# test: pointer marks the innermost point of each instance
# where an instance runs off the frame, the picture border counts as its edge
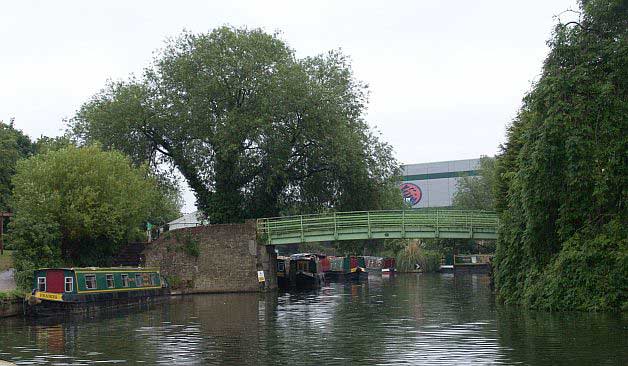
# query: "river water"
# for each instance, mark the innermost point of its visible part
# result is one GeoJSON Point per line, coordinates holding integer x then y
{"type": "Point", "coordinates": [408, 319]}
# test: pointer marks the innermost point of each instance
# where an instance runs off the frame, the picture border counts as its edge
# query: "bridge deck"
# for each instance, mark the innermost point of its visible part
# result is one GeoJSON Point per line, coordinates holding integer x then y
{"type": "Point", "coordinates": [411, 224]}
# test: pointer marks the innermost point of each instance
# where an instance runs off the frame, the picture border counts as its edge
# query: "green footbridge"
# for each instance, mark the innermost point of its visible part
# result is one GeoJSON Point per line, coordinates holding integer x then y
{"type": "Point", "coordinates": [407, 224]}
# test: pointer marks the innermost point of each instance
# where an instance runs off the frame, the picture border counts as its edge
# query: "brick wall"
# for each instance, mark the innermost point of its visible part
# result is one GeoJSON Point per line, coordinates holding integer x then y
{"type": "Point", "coordinates": [213, 258]}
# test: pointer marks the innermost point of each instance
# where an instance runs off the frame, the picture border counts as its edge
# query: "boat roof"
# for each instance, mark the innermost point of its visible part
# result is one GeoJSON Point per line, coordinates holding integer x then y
{"type": "Point", "coordinates": [87, 269]}
{"type": "Point", "coordinates": [303, 256]}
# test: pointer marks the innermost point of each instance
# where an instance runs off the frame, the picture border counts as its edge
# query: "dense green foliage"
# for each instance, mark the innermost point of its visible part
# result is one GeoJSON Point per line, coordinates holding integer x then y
{"type": "Point", "coordinates": [255, 131]}
{"type": "Point", "coordinates": [473, 193]}
{"type": "Point", "coordinates": [76, 206]}
{"type": "Point", "coordinates": [14, 145]}
{"type": "Point", "coordinates": [477, 193]}
{"type": "Point", "coordinates": [562, 188]}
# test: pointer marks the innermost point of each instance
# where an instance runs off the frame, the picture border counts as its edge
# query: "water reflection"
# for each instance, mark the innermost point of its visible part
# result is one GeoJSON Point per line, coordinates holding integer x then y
{"type": "Point", "coordinates": [408, 319]}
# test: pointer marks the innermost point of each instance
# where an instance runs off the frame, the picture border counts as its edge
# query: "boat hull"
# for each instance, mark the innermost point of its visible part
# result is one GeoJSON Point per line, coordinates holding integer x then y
{"type": "Point", "coordinates": [334, 276]}
{"type": "Point", "coordinates": [89, 303]}
{"type": "Point", "coordinates": [283, 281]}
{"type": "Point", "coordinates": [307, 280]}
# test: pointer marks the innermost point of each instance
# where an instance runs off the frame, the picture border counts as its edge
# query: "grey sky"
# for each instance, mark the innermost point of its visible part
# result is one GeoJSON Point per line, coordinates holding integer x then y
{"type": "Point", "coordinates": [445, 76]}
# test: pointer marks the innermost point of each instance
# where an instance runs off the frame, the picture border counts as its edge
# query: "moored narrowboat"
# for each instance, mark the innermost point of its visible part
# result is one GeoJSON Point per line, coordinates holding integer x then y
{"type": "Point", "coordinates": [78, 290]}
{"type": "Point", "coordinates": [345, 268]}
{"type": "Point", "coordinates": [389, 266]}
{"type": "Point", "coordinates": [305, 271]}
{"type": "Point", "coordinates": [283, 266]}
{"type": "Point", "coordinates": [373, 264]}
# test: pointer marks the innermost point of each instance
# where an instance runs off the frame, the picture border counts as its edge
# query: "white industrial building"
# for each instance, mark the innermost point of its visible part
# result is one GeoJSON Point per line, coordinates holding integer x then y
{"type": "Point", "coordinates": [192, 219]}
{"type": "Point", "coordinates": [434, 184]}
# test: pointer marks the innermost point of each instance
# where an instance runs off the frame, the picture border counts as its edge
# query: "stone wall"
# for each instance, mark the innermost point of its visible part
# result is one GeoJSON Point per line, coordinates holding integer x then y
{"type": "Point", "coordinates": [213, 258]}
{"type": "Point", "coordinates": [11, 307]}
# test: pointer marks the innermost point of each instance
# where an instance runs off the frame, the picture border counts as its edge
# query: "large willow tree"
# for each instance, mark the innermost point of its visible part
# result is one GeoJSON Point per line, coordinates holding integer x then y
{"type": "Point", "coordinates": [562, 175]}
{"type": "Point", "coordinates": [254, 130]}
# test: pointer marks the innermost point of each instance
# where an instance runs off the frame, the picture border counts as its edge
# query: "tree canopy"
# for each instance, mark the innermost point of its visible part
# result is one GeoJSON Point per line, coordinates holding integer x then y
{"type": "Point", "coordinates": [14, 145]}
{"type": "Point", "coordinates": [76, 206]}
{"type": "Point", "coordinates": [477, 193]}
{"type": "Point", "coordinates": [254, 130]}
{"type": "Point", "coordinates": [562, 188]}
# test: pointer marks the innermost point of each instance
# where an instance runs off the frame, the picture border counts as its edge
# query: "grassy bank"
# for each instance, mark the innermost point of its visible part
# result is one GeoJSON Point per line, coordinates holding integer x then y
{"type": "Point", "coordinates": [6, 260]}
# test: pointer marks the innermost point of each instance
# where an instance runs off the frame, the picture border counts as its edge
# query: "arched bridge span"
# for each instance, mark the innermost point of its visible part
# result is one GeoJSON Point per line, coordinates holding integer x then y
{"type": "Point", "coordinates": [409, 224]}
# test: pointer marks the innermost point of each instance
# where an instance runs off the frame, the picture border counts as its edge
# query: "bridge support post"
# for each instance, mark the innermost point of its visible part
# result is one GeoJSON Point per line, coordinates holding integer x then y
{"type": "Point", "coordinates": [403, 224]}
{"type": "Point", "coordinates": [436, 234]}
{"type": "Point", "coordinates": [335, 227]}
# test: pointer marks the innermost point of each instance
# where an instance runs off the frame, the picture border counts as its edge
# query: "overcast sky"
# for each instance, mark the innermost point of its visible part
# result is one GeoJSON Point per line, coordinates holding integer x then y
{"type": "Point", "coordinates": [445, 77]}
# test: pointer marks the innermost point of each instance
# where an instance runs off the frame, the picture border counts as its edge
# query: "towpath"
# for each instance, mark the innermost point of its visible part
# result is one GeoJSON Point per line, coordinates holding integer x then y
{"type": "Point", "coordinates": [7, 282]}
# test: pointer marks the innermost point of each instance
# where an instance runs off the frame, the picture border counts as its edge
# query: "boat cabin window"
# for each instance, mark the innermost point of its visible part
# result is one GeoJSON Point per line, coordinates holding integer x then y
{"type": "Point", "coordinates": [125, 280]}
{"type": "Point", "coordinates": [153, 279]}
{"type": "Point", "coordinates": [110, 283]}
{"type": "Point", "coordinates": [281, 266]}
{"type": "Point", "coordinates": [41, 283]}
{"type": "Point", "coordinates": [90, 282]}
{"type": "Point", "coordinates": [69, 284]}
{"type": "Point", "coordinates": [138, 280]}
{"type": "Point", "coordinates": [303, 266]}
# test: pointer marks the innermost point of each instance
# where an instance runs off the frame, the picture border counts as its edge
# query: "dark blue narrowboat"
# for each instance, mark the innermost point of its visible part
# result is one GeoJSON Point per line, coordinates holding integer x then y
{"type": "Point", "coordinates": [305, 271]}
{"type": "Point", "coordinates": [283, 267]}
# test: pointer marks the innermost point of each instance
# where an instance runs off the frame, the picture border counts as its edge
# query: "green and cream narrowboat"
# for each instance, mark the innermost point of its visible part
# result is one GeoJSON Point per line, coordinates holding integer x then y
{"type": "Point", "coordinates": [76, 290]}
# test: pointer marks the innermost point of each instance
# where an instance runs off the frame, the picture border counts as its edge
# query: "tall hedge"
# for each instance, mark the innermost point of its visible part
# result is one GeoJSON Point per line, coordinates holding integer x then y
{"type": "Point", "coordinates": [561, 175]}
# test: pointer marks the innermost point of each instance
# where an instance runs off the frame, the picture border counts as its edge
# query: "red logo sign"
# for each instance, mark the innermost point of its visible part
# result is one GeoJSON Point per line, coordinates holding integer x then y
{"type": "Point", "coordinates": [411, 193]}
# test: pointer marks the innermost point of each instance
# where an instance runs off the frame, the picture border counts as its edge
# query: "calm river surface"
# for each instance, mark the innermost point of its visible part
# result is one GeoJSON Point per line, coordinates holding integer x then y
{"type": "Point", "coordinates": [408, 319]}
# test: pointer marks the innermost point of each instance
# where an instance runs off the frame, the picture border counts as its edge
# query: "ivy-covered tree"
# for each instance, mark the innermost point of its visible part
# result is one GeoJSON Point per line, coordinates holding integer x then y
{"type": "Point", "coordinates": [76, 206]}
{"type": "Point", "coordinates": [562, 174]}
{"type": "Point", "coordinates": [254, 130]}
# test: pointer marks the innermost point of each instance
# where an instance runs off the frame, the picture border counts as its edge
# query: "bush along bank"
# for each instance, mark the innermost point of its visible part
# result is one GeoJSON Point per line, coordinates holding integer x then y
{"type": "Point", "coordinates": [561, 177]}
{"type": "Point", "coordinates": [413, 254]}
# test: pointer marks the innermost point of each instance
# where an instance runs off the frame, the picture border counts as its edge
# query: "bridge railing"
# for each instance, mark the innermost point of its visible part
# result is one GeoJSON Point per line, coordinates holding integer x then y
{"type": "Point", "coordinates": [374, 224]}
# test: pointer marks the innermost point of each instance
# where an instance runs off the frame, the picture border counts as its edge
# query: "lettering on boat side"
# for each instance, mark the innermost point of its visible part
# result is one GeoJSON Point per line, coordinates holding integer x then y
{"type": "Point", "coordinates": [48, 296]}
